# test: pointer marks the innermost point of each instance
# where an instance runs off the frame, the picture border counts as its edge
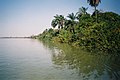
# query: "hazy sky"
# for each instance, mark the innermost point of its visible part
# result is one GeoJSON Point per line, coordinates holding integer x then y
{"type": "Point", "coordinates": [28, 17]}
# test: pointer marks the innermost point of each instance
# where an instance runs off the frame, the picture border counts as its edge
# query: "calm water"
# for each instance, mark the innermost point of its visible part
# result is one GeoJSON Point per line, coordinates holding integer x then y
{"type": "Point", "coordinates": [27, 59]}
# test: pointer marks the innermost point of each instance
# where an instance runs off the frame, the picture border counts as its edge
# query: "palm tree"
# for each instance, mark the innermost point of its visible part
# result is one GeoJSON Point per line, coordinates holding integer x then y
{"type": "Point", "coordinates": [54, 23]}
{"type": "Point", "coordinates": [71, 16]}
{"type": "Point", "coordinates": [94, 3]}
{"type": "Point", "coordinates": [82, 11]}
{"type": "Point", "coordinates": [58, 21]}
{"type": "Point", "coordinates": [71, 21]}
{"type": "Point", "coordinates": [62, 21]}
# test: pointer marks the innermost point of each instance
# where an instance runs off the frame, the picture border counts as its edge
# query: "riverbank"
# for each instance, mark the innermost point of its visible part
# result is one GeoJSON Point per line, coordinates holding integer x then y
{"type": "Point", "coordinates": [103, 35]}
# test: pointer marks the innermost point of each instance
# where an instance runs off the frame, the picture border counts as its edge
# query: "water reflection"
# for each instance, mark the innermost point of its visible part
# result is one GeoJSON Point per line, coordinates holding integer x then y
{"type": "Point", "coordinates": [86, 65]}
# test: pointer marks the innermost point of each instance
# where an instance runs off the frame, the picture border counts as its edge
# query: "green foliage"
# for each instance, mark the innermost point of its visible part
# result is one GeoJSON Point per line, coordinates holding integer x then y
{"type": "Point", "coordinates": [82, 30]}
{"type": "Point", "coordinates": [104, 36]}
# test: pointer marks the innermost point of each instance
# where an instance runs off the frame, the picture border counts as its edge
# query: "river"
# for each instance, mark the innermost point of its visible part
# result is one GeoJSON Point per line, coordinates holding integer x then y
{"type": "Point", "coordinates": [29, 59]}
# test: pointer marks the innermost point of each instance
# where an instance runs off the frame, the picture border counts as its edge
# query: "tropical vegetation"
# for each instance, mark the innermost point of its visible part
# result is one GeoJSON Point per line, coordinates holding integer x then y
{"type": "Point", "coordinates": [99, 31]}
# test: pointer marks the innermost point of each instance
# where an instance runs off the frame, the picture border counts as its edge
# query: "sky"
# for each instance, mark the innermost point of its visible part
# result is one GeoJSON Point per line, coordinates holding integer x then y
{"type": "Point", "coordinates": [31, 17]}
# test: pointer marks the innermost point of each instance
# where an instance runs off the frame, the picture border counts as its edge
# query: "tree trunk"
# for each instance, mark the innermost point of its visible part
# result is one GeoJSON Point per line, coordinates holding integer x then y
{"type": "Point", "coordinates": [96, 14]}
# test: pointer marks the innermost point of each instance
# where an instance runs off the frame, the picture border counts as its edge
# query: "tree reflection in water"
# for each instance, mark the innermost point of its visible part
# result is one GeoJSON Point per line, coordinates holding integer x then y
{"type": "Point", "coordinates": [87, 65]}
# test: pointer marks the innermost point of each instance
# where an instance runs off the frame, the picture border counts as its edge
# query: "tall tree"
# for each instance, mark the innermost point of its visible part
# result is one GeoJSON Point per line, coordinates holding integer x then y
{"type": "Point", "coordinates": [54, 23]}
{"type": "Point", "coordinates": [81, 11]}
{"type": "Point", "coordinates": [71, 21]}
{"type": "Point", "coordinates": [72, 16]}
{"type": "Point", "coordinates": [58, 21]}
{"type": "Point", "coordinates": [94, 3]}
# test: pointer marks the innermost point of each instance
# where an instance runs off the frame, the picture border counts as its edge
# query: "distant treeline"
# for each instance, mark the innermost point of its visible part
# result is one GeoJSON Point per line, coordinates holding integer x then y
{"type": "Point", "coordinates": [13, 37]}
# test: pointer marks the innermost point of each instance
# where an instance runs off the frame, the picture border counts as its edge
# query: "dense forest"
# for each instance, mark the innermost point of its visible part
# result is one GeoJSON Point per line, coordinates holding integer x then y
{"type": "Point", "coordinates": [99, 31]}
